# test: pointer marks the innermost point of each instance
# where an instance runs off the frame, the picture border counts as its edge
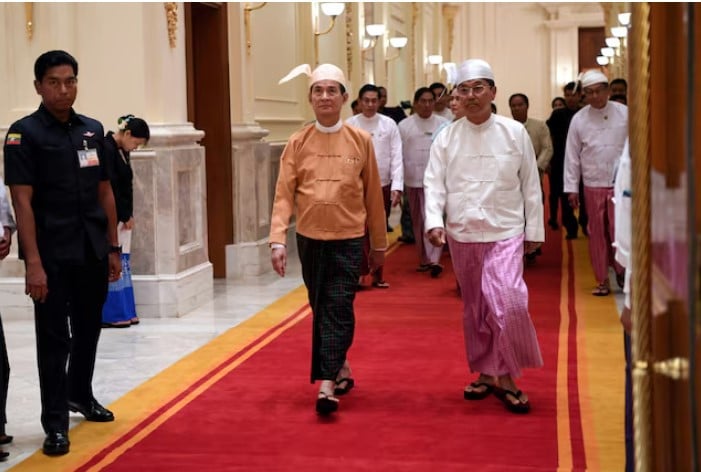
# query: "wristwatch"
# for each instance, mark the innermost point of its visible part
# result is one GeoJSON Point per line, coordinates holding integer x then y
{"type": "Point", "coordinates": [116, 249]}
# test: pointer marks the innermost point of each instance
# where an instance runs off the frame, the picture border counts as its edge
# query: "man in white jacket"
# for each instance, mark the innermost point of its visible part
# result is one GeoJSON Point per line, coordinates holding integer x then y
{"type": "Point", "coordinates": [417, 133]}
{"type": "Point", "coordinates": [482, 174]}
{"type": "Point", "coordinates": [595, 141]}
{"type": "Point", "coordinates": [388, 152]}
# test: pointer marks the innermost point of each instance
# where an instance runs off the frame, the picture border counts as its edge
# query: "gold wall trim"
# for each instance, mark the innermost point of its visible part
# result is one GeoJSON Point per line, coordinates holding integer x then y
{"type": "Point", "coordinates": [29, 18]}
{"type": "Point", "coordinates": [639, 44]}
{"type": "Point", "coordinates": [171, 9]}
{"type": "Point", "coordinates": [349, 40]}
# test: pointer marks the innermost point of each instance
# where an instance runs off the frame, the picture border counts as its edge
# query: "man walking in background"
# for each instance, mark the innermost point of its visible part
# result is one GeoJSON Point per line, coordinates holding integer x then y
{"type": "Point", "coordinates": [417, 134]}
{"type": "Point", "coordinates": [595, 141]}
{"type": "Point", "coordinates": [388, 153]}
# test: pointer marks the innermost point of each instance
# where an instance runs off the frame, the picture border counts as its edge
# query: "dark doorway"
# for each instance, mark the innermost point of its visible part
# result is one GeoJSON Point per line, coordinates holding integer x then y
{"type": "Point", "coordinates": [207, 61]}
{"type": "Point", "coordinates": [591, 40]}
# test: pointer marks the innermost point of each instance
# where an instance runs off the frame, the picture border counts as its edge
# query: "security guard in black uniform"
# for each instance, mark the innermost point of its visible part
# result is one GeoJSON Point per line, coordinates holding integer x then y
{"type": "Point", "coordinates": [67, 231]}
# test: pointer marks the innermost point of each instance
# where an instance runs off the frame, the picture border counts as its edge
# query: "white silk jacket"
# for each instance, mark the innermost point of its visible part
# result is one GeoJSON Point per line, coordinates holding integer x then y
{"type": "Point", "coordinates": [485, 178]}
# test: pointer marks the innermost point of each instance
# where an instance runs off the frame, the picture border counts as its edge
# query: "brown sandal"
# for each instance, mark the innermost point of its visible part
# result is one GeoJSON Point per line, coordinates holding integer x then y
{"type": "Point", "coordinates": [601, 290]}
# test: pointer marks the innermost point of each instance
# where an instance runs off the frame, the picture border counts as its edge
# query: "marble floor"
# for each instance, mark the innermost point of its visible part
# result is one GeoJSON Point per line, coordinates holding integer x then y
{"type": "Point", "coordinates": [128, 357]}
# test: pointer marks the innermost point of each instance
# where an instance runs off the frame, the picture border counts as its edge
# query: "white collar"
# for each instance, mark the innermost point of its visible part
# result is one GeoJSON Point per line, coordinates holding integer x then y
{"type": "Point", "coordinates": [330, 129]}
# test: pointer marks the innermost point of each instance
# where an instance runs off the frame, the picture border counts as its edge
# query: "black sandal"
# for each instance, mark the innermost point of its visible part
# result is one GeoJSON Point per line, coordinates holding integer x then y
{"type": "Point", "coordinates": [521, 407]}
{"type": "Point", "coordinates": [326, 404]}
{"type": "Point", "coordinates": [478, 395]}
{"type": "Point", "coordinates": [343, 389]}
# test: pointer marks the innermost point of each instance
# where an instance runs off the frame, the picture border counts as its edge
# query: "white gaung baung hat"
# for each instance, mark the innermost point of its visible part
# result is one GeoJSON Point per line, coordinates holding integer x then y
{"type": "Point", "coordinates": [451, 73]}
{"type": "Point", "coordinates": [322, 72]}
{"type": "Point", "coordinates": [592, 77]}
{"type": "Point", "coordinates": [473, 69]}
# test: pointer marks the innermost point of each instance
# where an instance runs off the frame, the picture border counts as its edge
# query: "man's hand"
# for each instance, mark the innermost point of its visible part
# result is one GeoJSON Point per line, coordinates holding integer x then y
{"type": "Point", "coordinates": [35, 282]}
{"type": "Point", "coordinates": [278, 257]}
{"type": "Point", "coordinates": [5, 243]}
{"type": "Point", "coordinates": [627, 319]}
{"type": "Point", "coordinates": [115, 265]}
{"type": "Point", "coordinates": [396, 197]}
{"type": "Point", "coordinates": [437, 236]}
{"type": "Point", "coordinates": [573, 198]}
{"type": "Point", "coordinates": [129, 224]}
{"type": "Point", "coordinates": [529, 247]}
{"type": "Point", "coordinates": [377, 259]}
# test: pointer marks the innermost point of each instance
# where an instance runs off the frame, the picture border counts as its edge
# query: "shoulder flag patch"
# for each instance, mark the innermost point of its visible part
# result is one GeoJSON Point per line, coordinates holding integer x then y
{"type": "Point", "coordinates": [13, 139]}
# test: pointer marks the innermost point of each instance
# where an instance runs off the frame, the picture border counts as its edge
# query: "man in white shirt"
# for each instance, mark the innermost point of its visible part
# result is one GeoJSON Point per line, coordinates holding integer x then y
{"type": "Point", "coordinates": [388, 153]}
{"type": "Point", "coordinates": [482, 175]}
{"type": "Point", "coordinates": [442, 105]}
{"type": "Point", "coordinates": [595, 141]}
{"type": "Point", "coordinates": [417, 134]}
{"type": "Point", "coordinates": [7, 227]}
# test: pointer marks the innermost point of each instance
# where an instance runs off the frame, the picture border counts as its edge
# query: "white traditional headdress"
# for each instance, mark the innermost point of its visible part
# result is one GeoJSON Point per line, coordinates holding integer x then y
{"type": "Point", "coordinates": [451, 73]}
{"type": "Point", "coordinates": [473, 69]}
{"type": "Point", "coordinates": [322, 72]}
{"type": "Point", "coordinates": [592, 77]}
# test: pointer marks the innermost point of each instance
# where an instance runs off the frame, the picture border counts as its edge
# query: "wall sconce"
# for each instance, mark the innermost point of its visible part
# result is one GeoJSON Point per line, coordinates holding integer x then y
{"type": "Point", "coordinates": [602, 60]}
{"type": "Point", "coordinates": [247, 22]}
{"type": "Point", "coordinates": [374, 31]}
{"type": "Point", "coordinates": [434, 59]}
{"type": "Point", "coordinates": [332, 10]}
{"type": "Point", "coordinates": [619, 31]}
{"type": "Point", "coordinates": [624, 18]}
{"type": "Point", "coordinates": [613, 42]}
{"type": "Point", "coordinates": [396, 42]}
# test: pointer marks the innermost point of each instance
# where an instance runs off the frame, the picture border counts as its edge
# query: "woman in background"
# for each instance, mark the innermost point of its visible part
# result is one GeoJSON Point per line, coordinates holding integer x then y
{"type": "Point", "coordinates": [119, 310]}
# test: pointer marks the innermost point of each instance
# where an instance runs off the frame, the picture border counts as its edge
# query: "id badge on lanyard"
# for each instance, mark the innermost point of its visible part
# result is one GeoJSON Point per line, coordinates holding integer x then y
{"type": "Point", "coordinates": [87, 157]}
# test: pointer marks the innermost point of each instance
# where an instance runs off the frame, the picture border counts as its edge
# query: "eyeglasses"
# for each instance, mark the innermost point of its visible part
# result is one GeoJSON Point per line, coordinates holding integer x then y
{"type": "Point", "coordinates": [597, 91]}
{"type": "Point", "coordinates": [477, 90]}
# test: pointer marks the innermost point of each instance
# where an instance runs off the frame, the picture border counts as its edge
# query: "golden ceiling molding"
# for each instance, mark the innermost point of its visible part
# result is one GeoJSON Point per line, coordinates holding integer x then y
{"type": "Point", "coordinates": [349, 40]}
{"type": "Point", "coordinates": [29, 18]}
{"type": "Point", "coordinates": [171, 9]}
{"type": "Point", "coordinates": [414, 20]}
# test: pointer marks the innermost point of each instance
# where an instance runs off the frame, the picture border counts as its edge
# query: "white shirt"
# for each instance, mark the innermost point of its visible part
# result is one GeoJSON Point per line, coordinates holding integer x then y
{"type": "Point", "coordinates": [594, 143]}
{"type": "Point", "coordinates": [6, 219]}
{"type": "Point", "coordinates": [387, 144]}
{"type": "Point", "coordinates": [417, 135]}
{"type": "Point", "coordinates": [622, 216]}
{"type": "Point", "coordinates": [447, 113]}
{"type": "Point", "coordinates": [486, 180]}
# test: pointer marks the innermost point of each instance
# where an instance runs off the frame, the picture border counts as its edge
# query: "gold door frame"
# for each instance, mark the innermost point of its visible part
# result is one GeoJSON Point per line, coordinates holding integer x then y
{"type": "Point", "coordinates": [639, 55]}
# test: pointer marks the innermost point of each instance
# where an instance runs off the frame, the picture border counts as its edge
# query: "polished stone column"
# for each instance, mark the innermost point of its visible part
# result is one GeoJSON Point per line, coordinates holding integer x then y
{"type": "Point", "coordinates": [255, 167]}
{"type": "Point", "coordinates": [170, 266]}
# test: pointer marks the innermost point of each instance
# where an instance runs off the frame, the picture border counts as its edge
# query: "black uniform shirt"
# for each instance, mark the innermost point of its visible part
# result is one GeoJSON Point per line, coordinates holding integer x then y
{"type": "Point", "coordinates": [121, 177]}
{"type": "Point", "coordinates": [42, 152]}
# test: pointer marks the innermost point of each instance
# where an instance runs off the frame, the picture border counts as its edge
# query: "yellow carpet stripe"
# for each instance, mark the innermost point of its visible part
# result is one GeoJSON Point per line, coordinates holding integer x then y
{"type": "Point", "coordinates": [600, 368]}
{"type": "Point", "coordinates": [88, 439]}
{"type": "Point", "coordinates": [564, 439]}
{"type": "Point", "coordinates": [157, 422]}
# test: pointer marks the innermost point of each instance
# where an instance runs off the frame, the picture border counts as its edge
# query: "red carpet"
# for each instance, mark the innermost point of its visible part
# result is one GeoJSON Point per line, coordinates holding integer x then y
{"type": "Point", "coordinates": [406, 412]}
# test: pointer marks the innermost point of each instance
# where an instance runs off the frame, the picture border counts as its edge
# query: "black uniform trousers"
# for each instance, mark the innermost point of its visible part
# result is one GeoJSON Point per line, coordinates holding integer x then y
{"type": "Point", "coordinates": [4, 379]}
{"type": "Point", "coordinates": [68, 327]}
